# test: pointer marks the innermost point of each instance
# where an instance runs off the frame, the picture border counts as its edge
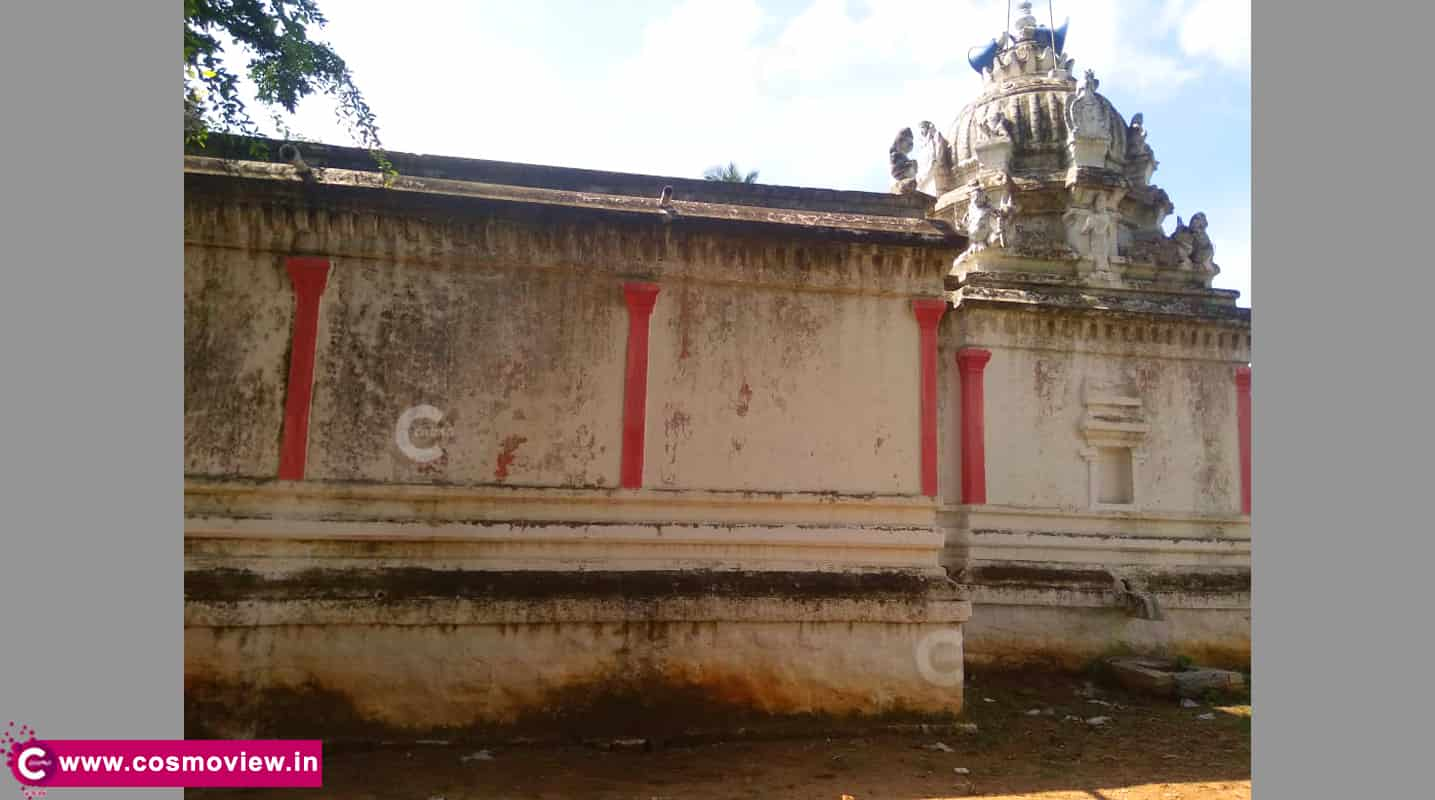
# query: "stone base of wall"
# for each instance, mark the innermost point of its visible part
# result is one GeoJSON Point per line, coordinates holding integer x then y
{"type": "Point", "coordinates": [1065, 617]}
{"type": "Point", "coordinates": [412, 653]}
{"type": "Point", "coordinates": [1057, 589]}
{"type": "Point", "coordinates": [1070, 639]}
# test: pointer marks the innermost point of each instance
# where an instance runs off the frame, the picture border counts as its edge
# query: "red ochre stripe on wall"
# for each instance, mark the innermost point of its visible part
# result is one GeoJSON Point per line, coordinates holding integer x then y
{"type": "Point", "coordinates": [970, 364]}
{"type": "Point", "coordinates": [308, 275]}
{"type": "Point", "coordinates": [929, 312]}
{"type": "Point", "coordinates": [1243, 424]}
{"type": "Point", "coordinates": [640, 297]}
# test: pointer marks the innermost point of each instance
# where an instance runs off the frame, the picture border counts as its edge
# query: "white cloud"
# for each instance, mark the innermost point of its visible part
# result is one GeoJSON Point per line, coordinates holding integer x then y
{"type": "Point", "coordinates": [813, 100]}
{"type": "Point", "coordinates": [1118, 40]}
{"type": "Point", "coordinates": [1233, 256]}
{"type": "Point", "coordinates": [818, 101]}
{"type": "Point", "coordinates": [1219, 30]}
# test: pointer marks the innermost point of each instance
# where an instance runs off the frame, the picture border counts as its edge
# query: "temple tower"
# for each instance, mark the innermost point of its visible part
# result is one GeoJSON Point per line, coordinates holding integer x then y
{"type": "Point", "coordinates": [1098, 386]}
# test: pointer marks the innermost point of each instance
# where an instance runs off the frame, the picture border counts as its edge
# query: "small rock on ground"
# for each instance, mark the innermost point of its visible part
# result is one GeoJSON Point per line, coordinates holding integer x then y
{"type": "Point", "coordinates": [1195, 682]}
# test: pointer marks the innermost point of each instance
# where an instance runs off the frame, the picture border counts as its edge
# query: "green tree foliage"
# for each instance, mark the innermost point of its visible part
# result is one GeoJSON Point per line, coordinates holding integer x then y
{"type": "Point", "coordinates": [730, 174]}
{"type": "Point", "coordinates": [286, 66]}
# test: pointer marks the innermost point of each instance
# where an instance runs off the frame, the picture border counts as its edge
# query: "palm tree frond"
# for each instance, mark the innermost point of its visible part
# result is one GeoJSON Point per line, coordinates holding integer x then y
{"type": "Point", "coordinates": [730, 173]}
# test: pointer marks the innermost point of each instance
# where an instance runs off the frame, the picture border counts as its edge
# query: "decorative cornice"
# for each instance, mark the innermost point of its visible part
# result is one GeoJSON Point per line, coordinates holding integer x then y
{"type": "Point", "coordinates": [918, 230]}
{"type": "Point", "coordinates": [275, 219]}
{"type": "Point", "coordinates": [1083, 331]}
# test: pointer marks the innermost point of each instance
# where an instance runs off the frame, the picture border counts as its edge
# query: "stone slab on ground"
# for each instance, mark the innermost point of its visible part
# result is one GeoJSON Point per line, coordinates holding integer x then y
{"type": "Point", "coordinates": [1154, 676]}
{"type": "Point", "coordinates": [1167, 678]}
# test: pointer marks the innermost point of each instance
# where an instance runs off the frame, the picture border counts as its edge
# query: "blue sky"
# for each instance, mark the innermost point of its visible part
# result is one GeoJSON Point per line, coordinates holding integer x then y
{"type": "Point", "coordinates": [809, 92]}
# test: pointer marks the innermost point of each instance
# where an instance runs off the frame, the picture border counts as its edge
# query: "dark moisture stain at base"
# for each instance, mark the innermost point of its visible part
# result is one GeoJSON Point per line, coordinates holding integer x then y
{"type": "Point", "coordinates": [399, 585]}
{"type": "Point", "coordinates": [229, 711]}
{"type": "Point", "coordinates": [1223, 581]}
{"type": "Point", "coordinates": [631, 705]}
{"type": "Point", "coordinates": [1014, 657]}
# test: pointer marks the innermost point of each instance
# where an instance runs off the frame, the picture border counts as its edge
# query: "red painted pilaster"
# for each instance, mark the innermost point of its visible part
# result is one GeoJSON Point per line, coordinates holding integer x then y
{"type": "Point", "coordinates": [1243, 423]}
{"type": "Point", "coordinates": [970, 363]}
{"type": "Point", "coordinates": [308, 276]}
{"type": "Point", "coordinates": [641, 297]}
{"type": "Point", "coordinates": [929, 313]}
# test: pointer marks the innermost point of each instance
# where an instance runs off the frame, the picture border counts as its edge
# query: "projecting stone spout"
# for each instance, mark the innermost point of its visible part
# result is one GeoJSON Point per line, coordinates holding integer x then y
{"type": "Point", "coordinates": [1142, 605]}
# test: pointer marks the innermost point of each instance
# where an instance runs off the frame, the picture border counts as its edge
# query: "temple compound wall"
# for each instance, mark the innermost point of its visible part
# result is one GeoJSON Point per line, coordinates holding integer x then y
{"type": "Point", "coordinates": [490, 446]}
{"type": "Point", "coordinates": [463, 452]}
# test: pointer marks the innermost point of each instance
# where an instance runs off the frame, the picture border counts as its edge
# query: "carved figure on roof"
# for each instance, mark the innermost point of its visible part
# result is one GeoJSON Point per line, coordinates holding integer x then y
{"type": "Point", "coordinates": [985, 224]}
{"type": "Point", "coordinates": [904, 167]}
{"type": "Point", "coordinates": [1136, 145]}
{"type": "Point", "coordinates": [1140, 160]}
{"type": "Point", "coordinates": [1089, 125]}
{"type": "Point", "coordinates": [938, 149]}
{"type": "Point", "coordinates": [1162, 204]}
{"type": "Point", "coordinates": [1200, 252]}
{"type": "Point", "coordinates": [1086, 115]}
{"type": "Point", "coordinates": [997, 127]}
{"type": "Point", "coordinates": [1184, 242]}
{"type": "Point", "coordinates": [1091, 232]}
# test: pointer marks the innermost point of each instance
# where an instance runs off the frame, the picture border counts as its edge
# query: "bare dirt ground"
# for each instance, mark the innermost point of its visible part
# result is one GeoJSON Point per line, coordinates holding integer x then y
{"type": "Point", "coordinates": [1148, 750]}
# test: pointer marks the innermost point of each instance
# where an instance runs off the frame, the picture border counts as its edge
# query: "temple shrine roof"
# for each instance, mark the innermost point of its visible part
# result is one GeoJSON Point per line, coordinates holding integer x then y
{"type": "Point", "coordinates": [869, 216]}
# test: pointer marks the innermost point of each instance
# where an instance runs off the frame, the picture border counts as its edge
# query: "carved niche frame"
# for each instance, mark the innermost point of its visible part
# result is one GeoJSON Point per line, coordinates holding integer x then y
{"type": "Point", "coordinates": [1113, 420]}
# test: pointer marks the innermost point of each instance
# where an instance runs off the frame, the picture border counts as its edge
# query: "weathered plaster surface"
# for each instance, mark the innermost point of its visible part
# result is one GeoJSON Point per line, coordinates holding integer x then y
{"type": "Point", "coordinates": [456, 591]}
{"type": "Point", "coordinates": [421, 679]}
{"type": "Point", "coordinates": [760, 390]}
{"type": "Point", "coordinates": [515, 331]}
{"type": "Point", "coordinates": [1185, 530]}
{"type": "Point", "coordinates": [1043, 364]}
{"type": "Point", "coordinates": [1053, 634]}
{"type": "Point", "coordinates": [238, 310]}
{"type": "Point", "coordinates": [417, 651]}
{"type": "Point", "coordinates": [525, 365]}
